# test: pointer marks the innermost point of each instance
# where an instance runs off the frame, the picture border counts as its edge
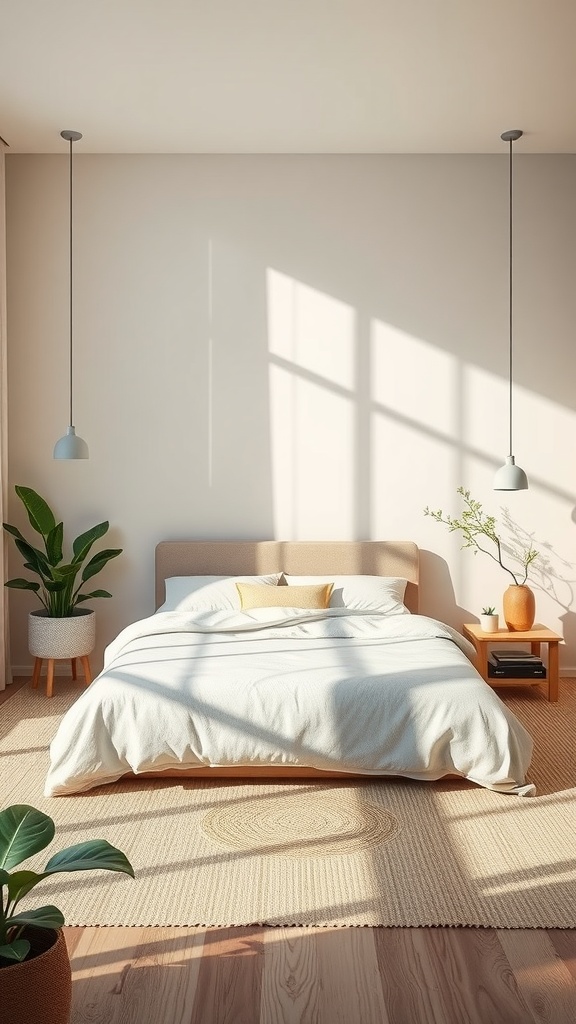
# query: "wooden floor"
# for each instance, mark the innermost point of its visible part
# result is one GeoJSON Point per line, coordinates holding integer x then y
{"type": "Point", "coordinates": [322, 976]}
{"type": "Point", "coordinates": [264, 975]}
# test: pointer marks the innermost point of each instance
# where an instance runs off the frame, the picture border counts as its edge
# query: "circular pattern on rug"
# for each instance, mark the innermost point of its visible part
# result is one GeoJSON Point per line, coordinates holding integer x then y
{"type": "Point", "coordinates": [306, 825]}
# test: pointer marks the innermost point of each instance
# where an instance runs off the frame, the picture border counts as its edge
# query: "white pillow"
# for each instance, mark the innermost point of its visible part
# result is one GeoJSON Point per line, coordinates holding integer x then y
{"type": "Point", "coordinates": [362, 593]}
{"type": "Point", "coordinates": [208, 593]}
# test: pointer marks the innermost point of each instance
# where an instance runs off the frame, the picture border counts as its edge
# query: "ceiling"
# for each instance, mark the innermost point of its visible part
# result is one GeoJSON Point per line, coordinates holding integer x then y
{"type": "Point", "coordinates": [288, 76]}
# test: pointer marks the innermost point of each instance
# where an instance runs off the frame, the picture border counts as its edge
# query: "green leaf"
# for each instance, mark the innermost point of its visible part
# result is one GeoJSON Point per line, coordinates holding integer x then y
{"type": "Point", "coordinates": [96, 853]}
{"type": "Point", "coordinates": [55, 586]}
{"type": "Point", "coordinates": [13, 531]}
{"type": "Point", "coordinates": [20, 584]}
{"type": "Point", "coordinates": [39, 512]}
{"type": "Point", "coordinates": [65, 572]}
{"type": "Point", "coordinates": [97, 563]}
{"type": "Point", "coordinates": [34, 557]}
{"type": "Point", "coordinates": [54, 543]}
{"type": "Point", "coordinates": [84, 542]}
{"type": "Point", "coordinates": [42, 917]}
{"type": "Point", "coordinates": [4, 877]}
{"type": "Point", "coordinates": [17, 950]}
{"type": "Point", "coordinates": [95, 593]}
{"type": "Point", "coordinates": [21, 882]}
{"type": "Point", "coordinates": [24, 831]}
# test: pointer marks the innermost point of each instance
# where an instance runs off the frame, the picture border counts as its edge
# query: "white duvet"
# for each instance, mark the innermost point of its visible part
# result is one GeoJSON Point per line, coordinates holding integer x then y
{"type": "Point", "coordinates": [334, 690]}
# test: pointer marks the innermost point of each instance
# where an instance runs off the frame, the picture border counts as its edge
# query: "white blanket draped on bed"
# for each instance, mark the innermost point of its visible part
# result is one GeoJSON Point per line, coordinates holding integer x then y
{"type": "Point", "coordinates": [334, 690]}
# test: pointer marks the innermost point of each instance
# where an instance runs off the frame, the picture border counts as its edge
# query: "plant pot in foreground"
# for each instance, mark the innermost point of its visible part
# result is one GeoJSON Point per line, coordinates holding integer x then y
{"type": "Point", "coordinates": [38, 990]}
{"type": "Point", "coordinates": [71, 637]}
{"type": "Point", "coordinates": [519, 607]}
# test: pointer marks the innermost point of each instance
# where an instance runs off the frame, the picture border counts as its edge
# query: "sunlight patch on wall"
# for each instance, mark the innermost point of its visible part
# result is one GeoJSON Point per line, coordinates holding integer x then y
{"type": "Point", "coordinates": [312, 410]}
{"type": "Point", "coordinates": [485, 426]}
{"type": "Point", "coordinates": [414, 379]}
{"type": "Point", "coordinates": [312, 330]}
{"type": "Point", "coordinates": [414, 388]}
{"type": "Point", "coordinates": [408, 470]}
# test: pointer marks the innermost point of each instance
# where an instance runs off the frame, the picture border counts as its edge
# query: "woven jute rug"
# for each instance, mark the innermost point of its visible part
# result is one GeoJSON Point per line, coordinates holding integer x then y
{"type": "Point", "coordinates": [390, 853]}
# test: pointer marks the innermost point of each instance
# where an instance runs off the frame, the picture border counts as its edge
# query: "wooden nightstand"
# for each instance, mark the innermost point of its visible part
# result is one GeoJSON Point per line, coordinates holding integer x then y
{"type": "Point", "coordinates": [536, 636]}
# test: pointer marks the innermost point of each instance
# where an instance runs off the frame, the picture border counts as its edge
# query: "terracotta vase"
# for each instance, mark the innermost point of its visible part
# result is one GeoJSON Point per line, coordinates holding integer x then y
{"type": "Point", "coordinates": [519, 607]}
{"type": "Point", "coordinates": [38, 989]}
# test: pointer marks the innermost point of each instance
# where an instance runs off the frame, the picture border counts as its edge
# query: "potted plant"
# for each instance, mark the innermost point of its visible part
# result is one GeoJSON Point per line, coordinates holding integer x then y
{"type": "Point", "coordinates": [35, 973]}
{"type": "Point", "coordinates": [476, 528]}
{"type": "Point", "coordinates": [489, 620]}
{"type": "Point", "coordinates": [60, 629]}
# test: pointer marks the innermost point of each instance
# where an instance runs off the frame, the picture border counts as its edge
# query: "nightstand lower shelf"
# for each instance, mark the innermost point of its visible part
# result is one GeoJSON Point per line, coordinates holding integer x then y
{"type": "Point", "coordinates": [535, 637]}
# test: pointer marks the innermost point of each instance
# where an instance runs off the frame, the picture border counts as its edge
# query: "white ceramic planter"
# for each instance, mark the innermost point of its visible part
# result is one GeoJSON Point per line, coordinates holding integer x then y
{"type": "Point", "coordinates": [489, 623]}
{"type": "Point", "coordinates": [71, 637]}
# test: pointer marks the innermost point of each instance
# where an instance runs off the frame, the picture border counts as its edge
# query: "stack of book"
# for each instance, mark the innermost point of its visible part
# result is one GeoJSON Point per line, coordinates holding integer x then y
{"type": "Point", "coordinates": [510, 664]}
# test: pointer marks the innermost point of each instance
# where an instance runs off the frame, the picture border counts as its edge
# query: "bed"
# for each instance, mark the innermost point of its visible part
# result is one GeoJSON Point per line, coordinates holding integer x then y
{"type": "Point", "coordinates": [288, 659]}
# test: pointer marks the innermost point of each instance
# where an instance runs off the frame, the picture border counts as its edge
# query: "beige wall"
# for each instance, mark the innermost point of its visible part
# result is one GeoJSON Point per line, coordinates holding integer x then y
{"type": "Point", "coordinates": [296, 347]}
{"type": "Point", "coordinates": [5, 659]}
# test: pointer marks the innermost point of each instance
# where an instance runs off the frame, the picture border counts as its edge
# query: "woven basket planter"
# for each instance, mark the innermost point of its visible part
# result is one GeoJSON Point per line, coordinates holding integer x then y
{"type": "Point", "coordinates": [38, 989]}
{"type": "Point", "coordinates": [71, 637]}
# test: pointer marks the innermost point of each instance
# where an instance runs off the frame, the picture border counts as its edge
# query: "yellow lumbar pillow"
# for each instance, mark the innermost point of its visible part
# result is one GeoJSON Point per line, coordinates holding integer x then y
{"type": "Point", "coordinates": [253, 595]}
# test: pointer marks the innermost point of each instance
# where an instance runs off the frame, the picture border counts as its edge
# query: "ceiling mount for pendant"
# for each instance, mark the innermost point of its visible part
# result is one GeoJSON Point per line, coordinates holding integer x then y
{"type": "Point", "coordinates": [512, 136]}
{"type": "Point", "coordinates": [71, 136]}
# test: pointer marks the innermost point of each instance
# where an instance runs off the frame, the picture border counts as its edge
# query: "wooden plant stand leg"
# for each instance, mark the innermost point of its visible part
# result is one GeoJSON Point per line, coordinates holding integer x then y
{"type": "Point", "coordinates": [73, 667]}
{"type": "Point", "coordinates": [86, 667]}
{"type": "Point", "coordinates": [36, 672]}
{"type": "Point", "coordinates": [50, 677]}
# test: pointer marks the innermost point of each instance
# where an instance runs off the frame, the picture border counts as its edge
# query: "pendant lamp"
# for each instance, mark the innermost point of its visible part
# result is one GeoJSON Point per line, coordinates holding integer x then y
{"type": "Point", "coordinates": [510, 477]}
{"type": "Point", "coordinates": [71, 446]}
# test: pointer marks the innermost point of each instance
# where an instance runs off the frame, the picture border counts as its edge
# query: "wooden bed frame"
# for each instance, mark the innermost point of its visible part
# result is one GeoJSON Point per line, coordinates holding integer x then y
{"type": "Point", "coordinates": [310, 558]}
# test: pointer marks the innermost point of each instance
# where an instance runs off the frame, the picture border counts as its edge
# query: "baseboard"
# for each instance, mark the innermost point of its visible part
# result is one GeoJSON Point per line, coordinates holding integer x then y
{"type": "Point", "coordinates": [63, 669]}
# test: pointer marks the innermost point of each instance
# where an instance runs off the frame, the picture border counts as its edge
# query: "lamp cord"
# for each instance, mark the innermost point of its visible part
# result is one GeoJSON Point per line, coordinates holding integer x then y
{"type": "Point", "coordinates": [510, 299]}
{"type": "Point", "coordinates": [71, 289]}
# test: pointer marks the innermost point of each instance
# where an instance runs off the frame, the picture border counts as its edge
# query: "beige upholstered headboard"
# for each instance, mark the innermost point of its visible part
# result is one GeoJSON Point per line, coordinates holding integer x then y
{"type": "Point", "coordinates": [250, 558]}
